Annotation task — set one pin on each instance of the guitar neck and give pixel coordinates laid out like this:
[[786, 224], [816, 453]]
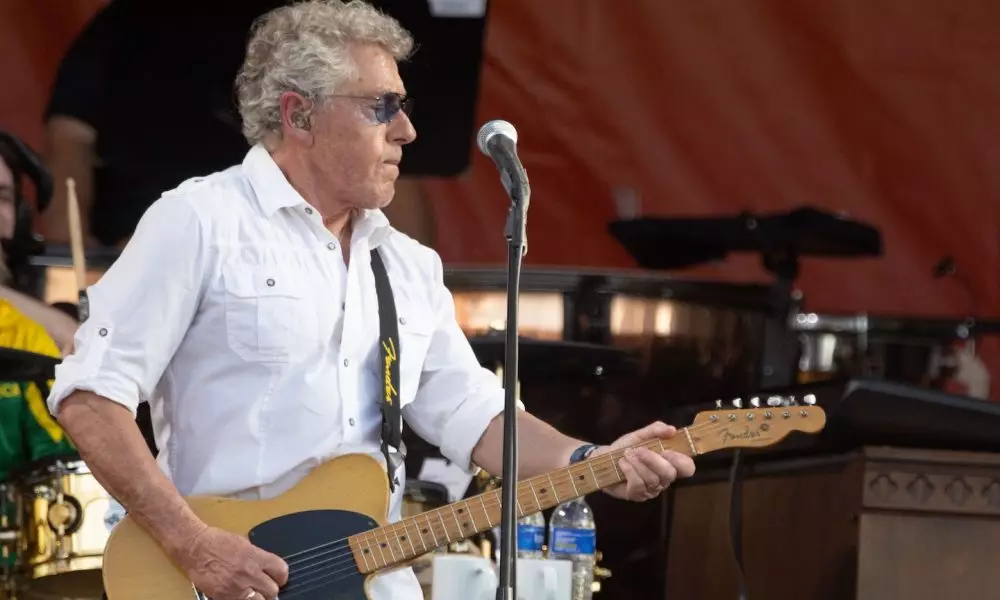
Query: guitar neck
[[414, 536]]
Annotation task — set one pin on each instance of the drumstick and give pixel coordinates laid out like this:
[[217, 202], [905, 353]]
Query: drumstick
[[76, 248]]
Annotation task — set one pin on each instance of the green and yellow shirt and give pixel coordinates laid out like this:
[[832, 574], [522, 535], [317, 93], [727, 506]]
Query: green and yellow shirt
[[27, 431]]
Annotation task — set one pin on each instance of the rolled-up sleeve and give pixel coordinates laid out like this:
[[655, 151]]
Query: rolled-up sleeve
[[140, 309], [457, 397]]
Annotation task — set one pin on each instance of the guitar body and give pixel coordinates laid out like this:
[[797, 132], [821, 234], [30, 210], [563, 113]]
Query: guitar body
[[339, 498]]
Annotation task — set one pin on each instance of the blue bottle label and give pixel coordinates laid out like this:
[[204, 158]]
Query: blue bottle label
[[573, 541], [530, 538]]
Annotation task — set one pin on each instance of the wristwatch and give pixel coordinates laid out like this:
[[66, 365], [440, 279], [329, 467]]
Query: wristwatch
[[582, 453]]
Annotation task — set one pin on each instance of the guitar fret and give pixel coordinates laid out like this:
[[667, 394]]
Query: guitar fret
[[573, 483], [458, 521], [385, 563], [416, 526], [430, 528], [364, 550], [552, 486], [590, 465], [618, 474], [531, 486], [391, 553], [399, 542], [446, 534], [486, 512], [409, 538], [472, 516]]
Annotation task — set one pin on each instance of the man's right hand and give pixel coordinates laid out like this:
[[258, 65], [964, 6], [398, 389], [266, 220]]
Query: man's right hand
[[226, 566]]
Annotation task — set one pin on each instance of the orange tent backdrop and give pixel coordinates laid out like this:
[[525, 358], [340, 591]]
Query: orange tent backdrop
[[888, 111]]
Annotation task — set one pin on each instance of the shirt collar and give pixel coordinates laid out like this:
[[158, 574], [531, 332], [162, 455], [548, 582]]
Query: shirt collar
[[274, 192]]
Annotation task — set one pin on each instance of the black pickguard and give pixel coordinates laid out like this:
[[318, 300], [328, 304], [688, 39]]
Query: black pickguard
[[319, 567]]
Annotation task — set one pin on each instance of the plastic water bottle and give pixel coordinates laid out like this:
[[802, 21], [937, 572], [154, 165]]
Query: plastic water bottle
[[531, 536], [573, 536]]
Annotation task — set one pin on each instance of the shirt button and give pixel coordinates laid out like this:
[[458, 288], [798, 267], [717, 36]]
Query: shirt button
[[103, 332], [331, 246], [270, 283], [402, 320], [347, 361], [351, 421], [309, 211]]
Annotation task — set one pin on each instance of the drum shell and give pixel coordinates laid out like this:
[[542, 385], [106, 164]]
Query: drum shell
[[67, 562]]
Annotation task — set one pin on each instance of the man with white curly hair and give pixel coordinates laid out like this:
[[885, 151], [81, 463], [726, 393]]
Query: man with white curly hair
[[245, 310]]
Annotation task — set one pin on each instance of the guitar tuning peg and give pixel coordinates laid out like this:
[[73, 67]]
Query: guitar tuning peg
[[718, 404], [755, 402], [790, 401], [809, 399], [774, 401], [738, 403]]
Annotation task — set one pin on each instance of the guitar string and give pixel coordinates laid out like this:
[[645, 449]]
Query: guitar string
[[345, 565], [604, 463], [342, 556]]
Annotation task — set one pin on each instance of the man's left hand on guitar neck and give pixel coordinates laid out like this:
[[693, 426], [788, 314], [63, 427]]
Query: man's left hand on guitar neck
[[647, 473], [545, 449]]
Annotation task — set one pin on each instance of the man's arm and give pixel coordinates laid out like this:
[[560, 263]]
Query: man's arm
[[121, 462], [549, 448]]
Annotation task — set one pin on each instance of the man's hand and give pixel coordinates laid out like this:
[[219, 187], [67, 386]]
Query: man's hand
[[225, 566], [647, 473]]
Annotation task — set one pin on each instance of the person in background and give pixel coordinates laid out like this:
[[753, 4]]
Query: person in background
[[128, 100], [27, 431], [58, 324]]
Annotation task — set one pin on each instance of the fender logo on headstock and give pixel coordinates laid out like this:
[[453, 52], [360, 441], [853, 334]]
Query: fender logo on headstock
[[746, 434]]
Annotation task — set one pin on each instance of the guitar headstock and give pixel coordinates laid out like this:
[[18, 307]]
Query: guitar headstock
[[764, 423]]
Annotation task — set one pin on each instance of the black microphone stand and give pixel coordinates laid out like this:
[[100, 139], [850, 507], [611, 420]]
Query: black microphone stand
[[517, 243]]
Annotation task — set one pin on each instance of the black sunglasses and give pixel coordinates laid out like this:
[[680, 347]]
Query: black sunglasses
[[386, 106]]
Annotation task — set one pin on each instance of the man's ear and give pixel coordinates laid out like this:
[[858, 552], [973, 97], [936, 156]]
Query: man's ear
[[296, 117]]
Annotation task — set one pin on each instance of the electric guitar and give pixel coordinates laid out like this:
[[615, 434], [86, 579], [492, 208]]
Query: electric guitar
[[331, 527]]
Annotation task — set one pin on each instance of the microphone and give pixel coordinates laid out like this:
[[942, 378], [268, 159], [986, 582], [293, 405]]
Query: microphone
[[498, 140]]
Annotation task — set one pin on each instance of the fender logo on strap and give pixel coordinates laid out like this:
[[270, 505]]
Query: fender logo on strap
[[390, 357]]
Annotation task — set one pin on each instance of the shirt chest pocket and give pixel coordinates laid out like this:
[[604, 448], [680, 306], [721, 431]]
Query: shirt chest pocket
[[416, 331], [269, 315]]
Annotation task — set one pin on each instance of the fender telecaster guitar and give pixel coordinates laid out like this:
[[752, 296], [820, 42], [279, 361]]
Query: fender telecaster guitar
[[331, 528]]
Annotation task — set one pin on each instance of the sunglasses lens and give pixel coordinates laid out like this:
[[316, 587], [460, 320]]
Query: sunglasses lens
[[390, 105]]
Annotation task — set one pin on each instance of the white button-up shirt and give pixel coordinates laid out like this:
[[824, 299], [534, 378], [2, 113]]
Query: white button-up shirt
[[232, 312]]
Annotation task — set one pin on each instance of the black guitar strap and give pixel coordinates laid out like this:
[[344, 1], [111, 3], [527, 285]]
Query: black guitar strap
[[392, 415]]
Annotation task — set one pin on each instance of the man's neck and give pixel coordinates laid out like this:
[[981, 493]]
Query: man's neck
[[337, 216]]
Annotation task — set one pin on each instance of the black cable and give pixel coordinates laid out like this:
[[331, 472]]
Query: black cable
[[736, 520]]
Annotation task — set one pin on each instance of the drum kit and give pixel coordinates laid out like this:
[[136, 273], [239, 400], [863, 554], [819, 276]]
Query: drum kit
[[56, 522]]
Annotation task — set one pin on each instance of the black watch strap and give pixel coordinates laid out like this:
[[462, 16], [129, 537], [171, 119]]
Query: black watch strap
[[582, 453]]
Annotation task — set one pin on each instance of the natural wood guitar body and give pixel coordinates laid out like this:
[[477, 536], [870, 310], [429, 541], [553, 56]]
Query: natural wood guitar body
[[136, 568]]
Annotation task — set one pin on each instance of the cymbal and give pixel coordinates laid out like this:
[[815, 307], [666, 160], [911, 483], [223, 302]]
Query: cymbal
[[18, 365], [547, 359]]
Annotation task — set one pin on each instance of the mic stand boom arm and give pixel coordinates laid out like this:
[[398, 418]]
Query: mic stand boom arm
[[515, 232]]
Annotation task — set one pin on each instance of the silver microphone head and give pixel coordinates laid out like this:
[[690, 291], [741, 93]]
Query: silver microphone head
[[491, 129]]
